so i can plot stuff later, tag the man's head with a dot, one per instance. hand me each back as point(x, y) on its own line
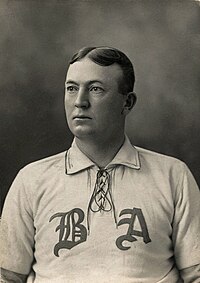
point(106, 56)
point(99, 93)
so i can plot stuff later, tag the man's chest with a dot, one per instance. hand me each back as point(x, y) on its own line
point(128, 222)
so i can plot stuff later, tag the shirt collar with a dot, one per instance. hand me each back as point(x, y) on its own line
point(77, 161)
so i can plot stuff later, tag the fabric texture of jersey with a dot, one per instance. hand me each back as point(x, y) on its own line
point(151, 226)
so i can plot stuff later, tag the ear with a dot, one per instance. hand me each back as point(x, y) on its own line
point(129, 102)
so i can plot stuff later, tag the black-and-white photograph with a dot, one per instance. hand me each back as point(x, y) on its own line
point(100, 135)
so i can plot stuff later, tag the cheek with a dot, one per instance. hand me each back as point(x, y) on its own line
point(115, 108)
point(68, 105)
point(108, 113)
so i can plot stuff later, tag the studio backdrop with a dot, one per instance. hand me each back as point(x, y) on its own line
point(37, 38)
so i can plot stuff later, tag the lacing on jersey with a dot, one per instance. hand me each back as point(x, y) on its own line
point(101, 199)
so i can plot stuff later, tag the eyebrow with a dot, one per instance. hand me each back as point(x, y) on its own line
point(70, 82)
point(88, 82)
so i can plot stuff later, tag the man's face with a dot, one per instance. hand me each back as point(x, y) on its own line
point(93, 103)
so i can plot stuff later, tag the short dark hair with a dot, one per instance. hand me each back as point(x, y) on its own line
point(106, 56)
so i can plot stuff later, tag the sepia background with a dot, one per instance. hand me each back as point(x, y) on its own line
point(37, 38)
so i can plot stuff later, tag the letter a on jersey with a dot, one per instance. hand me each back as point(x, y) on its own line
point(129, 236)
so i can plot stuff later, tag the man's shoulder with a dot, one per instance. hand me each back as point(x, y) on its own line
point(46, 163)
point(154, 154)
point(158, 159)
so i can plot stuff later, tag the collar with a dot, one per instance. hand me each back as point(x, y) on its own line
point(77, 161)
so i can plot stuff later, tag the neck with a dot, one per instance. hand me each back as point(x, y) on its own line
point(101, 152)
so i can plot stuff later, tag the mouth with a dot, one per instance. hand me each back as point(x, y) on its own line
point(81, 117)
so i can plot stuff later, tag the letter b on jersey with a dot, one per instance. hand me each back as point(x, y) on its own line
point(71, 231)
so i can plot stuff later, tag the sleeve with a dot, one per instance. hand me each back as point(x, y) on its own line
point(17, 229)
point(186, 222)
point(7, 276)
point(191, 274)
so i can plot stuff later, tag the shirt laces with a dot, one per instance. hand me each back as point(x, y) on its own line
point(101, 199)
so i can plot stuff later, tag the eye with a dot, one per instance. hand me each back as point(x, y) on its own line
point(96, 89)
point(72, 89)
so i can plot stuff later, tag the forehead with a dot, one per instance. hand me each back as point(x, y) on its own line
point(86, 70)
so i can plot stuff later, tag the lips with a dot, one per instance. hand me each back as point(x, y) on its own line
point(81, 117)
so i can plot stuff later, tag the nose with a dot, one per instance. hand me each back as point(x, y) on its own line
point(82, 99)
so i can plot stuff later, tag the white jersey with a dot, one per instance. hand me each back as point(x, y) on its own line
point(55, 227)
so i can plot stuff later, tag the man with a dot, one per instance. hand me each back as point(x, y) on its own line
point(104, 211)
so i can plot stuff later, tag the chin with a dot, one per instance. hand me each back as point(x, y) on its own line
point(82, 133)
